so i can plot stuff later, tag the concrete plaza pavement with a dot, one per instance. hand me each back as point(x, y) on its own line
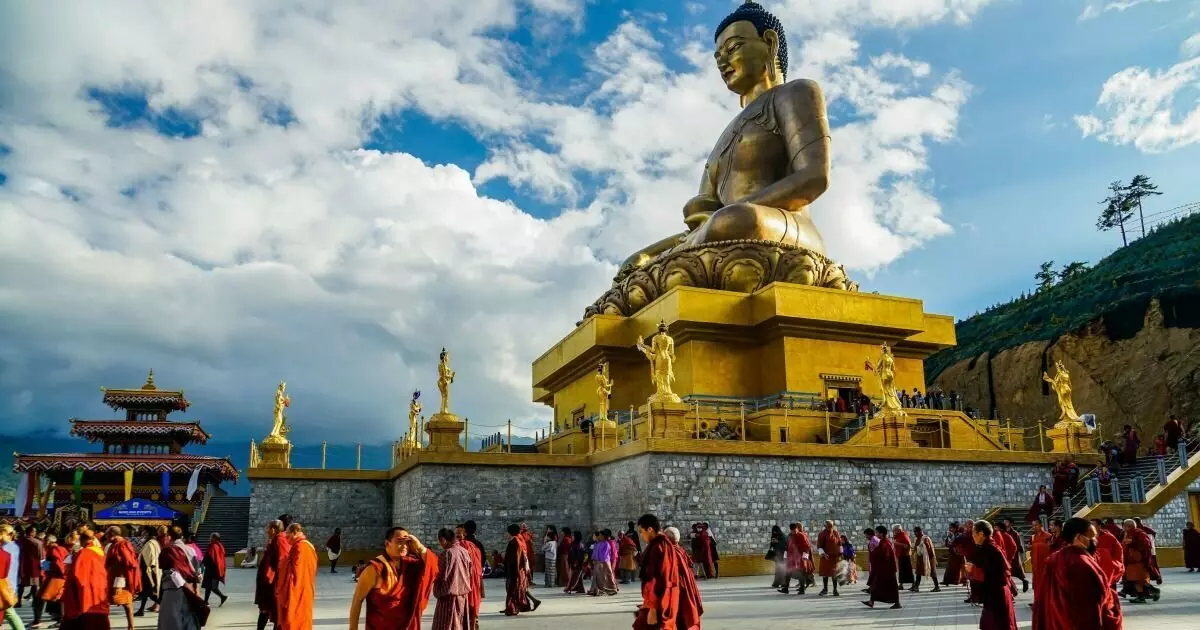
point(741, 603)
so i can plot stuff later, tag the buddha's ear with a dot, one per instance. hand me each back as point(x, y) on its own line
point(772, 39)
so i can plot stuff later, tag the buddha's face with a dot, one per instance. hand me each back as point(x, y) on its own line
point(743, 57)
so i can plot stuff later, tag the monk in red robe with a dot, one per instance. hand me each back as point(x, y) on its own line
point(475, 600)
point(517, 576)
point(702, 548)
point(214, 569)
point(964, 545)
point(396, 585)
point(85, 595)
point(1043, 503)
point(829, 547)
point(988, 568)
point(269, 568)
point(526, 540)
point(670, 599)
point(1137, 564)
point(1110, 554)
point(1191, 547)
point(1076, 592)
point(124, 573)
point(53, 581)
point(954, 562)
point(799, 559)
point(296, 586)
point(881, 583)
point(1039, 551)
point(29, 574)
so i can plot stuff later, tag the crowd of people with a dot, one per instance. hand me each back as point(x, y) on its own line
point(1080, 571)
point(72, 578)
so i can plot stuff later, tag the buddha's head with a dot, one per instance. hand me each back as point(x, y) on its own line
point(751, 48)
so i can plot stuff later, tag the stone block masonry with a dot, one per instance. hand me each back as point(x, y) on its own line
point(429, 497)
point(741, 497)
point(361, 508)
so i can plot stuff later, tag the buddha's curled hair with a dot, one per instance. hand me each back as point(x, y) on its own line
point(762, 20)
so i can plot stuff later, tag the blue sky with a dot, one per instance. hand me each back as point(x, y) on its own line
point(253, 192)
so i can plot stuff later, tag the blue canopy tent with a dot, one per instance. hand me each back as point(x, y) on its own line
point(136, 512)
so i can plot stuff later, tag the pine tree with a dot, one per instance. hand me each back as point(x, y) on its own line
point(1118, 208)
point(1139, 188)
point(1046, 276)
point(1072, 270)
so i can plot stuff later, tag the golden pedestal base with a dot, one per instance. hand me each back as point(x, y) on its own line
point(1070, 437)
point(445, 433)
point(275, 453)
point(889, 427)
point(805, 342)
point(604, 435)
point(668, 419)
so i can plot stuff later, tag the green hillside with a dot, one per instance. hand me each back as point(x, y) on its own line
point(1164, 265)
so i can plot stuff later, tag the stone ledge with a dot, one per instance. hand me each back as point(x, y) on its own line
point(318, 474)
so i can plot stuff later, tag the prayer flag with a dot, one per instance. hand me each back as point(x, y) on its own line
point(78, 489)
point(193, 483)
point(166, 486)
point(24, 495)
point(128, 484)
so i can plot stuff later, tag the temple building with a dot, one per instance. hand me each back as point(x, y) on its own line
point(144, 441)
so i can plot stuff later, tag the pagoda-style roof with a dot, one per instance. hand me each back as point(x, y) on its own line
point(95, 430)
point(219, 467)
point(149, 396)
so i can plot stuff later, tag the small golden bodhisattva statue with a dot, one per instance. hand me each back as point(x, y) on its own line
point(445, 378)
point(414, 424)
point(661, 353)
point(1061, 384)
point(279, 429)
point(604, 387)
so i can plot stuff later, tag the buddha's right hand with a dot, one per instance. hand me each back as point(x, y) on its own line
point(698, 209)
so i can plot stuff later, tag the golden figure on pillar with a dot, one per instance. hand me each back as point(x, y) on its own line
point(1061, 384)
point(604, 387)
point(275, 450)
point(445, 378)
point(444, 428)
point(885, 368)
point(414, 424)
point(749, 225)
point(280, 429)
point(661, 353)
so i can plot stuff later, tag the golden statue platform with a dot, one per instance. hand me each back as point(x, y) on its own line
point(781, 338)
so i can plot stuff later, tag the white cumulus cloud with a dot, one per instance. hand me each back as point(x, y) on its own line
point(1153, 110)
point(255, 251)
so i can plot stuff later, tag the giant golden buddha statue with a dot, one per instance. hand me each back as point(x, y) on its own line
point(749, 225)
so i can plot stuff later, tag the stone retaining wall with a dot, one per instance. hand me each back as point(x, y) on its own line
point(741, 497)
point(361, 508)
point(430, 497)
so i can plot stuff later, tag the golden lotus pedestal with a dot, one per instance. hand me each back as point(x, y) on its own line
point(275, 453)
point(445, 433)
point(1070, 437)
point(808, 343)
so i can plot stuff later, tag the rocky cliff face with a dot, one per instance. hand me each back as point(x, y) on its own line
point(1123, 378)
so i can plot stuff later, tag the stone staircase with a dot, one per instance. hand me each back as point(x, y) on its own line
point(230, 517)
point(1147, 472)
